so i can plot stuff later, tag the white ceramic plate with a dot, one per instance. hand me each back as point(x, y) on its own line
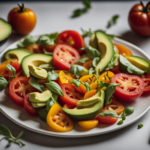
point(18, 115)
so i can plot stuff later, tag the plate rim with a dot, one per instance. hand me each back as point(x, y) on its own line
point(85, 134)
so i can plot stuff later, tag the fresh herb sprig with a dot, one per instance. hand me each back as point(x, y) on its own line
point(112, 21)
point(140, 126)
point(9, 137)
point(81, 11)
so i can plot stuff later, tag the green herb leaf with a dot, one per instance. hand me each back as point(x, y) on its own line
point(36, 85)
point(54, 87)
point(109, 92)
point(101, 85)
point(11, 69)
point(92, 70)
point(29, 40)
point(120, 122)
point(96, 60)
point(140, 126)
point(42, 114)
point(123, 115)
point(55, 96)
point(113, 63)
point(112, 21)
point(129, 110)
point(48, 53)
point(87, 85)
point(52, 76)
point(92, 52)
point(77, 70)
point(8, 136)
point(83, 60)
point(45, 40)
point(108, 113)
point(86, 33)
point(53, 36)
point(79, 12)
point(76, 82)
point(3, 83)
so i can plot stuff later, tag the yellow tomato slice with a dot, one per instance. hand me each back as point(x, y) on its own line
point(10, 61)
point(88, 64)
point(89, 124)
point(106, 76)
point(58, 120)
point(89, 94)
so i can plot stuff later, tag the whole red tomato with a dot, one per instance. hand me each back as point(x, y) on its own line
point(139, 19)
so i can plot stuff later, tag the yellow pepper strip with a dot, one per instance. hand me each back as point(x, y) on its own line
point(89, 94)
point(106, 76)
point(58, 120)
point(65, 77)
point(89, 124)
point(10, 61)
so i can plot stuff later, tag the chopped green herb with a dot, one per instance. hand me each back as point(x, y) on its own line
point(140, 126)
point(112, 21)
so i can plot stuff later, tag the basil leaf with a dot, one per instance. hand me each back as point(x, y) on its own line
point(55, 96)
point(92, 70)
point(101, 85)
point(92, 52)
point(54, 87)
point(42, 114)
point(113, 63)
point(83, 60)
point(87, 85)
point(77, 70)
point(45, 40)
point(140, 126)
point(129, 110)
point(86, 33)
point(3, 83)
point(112, 21)
point(53, 36)
point(49, 104)
point(109, 92)
point(120, 122)
point(36, 85)
point(76, 82)
point(52, 76)
point(29, 40)
point(48, 53)
point(11, 69)
point(108, 113)
point(123, 115)
point(96, 60)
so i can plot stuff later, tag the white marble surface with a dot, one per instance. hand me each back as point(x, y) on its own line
point(53, 17)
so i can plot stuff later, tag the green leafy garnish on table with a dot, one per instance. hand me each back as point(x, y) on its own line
point(81, 11)
point(140, 126)
point(112, 21)
point(9, 137)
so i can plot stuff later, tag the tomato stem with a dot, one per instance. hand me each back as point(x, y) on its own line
point(145, 8)
point(22, 8)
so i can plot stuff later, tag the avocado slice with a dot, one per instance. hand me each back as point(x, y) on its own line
point(16, 53)
point(105, 47)
point(87, 112)
point(139, 62)
point(5, 31)
point(35, 60)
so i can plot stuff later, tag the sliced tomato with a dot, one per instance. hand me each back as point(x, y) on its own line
point(147, 85)
point(71, 38)
point(71, 94)
point(88, 124)
point(48, 48)
point(18, 88)
point(64, 56)
point(28, 106)
point(68, 106)
point(107, 119)
point(130, 89)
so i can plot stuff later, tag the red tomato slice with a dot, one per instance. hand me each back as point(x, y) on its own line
point(71, 38)
point(107, 119)
point(64, 56)
point(18, 88)
point(71, 94)
point(130, 89)
point(147, 85)
point(28, 106)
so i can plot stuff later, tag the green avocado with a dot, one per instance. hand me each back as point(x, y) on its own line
point(37, 72)
point(88, 109)
point(5, 31)
point(40, 97)
point(38, 105)
point(34, 60)
point(16, 53)
point(139, 62)
point(105, 47)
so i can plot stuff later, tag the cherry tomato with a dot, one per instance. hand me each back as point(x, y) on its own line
point(58, 120)
point(107, 119)
point(139, 19)
point(147, 85)
point(22, 20)
point(124, 51)
point(48, 48)
point(116, 69)
point(71, 38)
point(130, 89)
point(18, 88)
point(147, 75)
point(88, 124)
point(28, 106)
point(64, 56)
point(34, 48)
point(71, 94)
